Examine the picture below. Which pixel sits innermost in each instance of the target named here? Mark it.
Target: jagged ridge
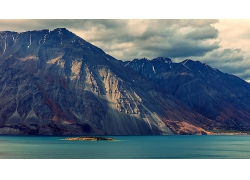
(54, 82)
(61, 84)
(218, 96)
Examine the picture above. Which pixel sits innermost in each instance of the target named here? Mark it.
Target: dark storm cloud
(153, 35)
(206, 32)
(230, 61)
(182, 49)
(240, 70)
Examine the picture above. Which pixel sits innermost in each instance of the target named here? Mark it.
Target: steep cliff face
(54, 82)
(218, 96)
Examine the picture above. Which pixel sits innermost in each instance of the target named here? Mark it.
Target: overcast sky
(136, 29)
(223, 44)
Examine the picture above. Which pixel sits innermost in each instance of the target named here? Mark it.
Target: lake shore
(229, 133)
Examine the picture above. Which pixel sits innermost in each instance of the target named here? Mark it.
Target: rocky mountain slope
(218, 96)
(54, 82)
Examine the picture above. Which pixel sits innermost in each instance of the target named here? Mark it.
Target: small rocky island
(89, 139)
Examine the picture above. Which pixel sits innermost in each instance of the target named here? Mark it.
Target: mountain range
(56, 83)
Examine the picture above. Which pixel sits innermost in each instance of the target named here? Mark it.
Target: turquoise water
(126, 147)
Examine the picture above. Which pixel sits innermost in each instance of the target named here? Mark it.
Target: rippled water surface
(126, 147)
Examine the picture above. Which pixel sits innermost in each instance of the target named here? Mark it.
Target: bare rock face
(222, 98)
(54, 82)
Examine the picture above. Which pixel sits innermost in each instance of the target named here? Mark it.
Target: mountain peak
(61, 30)
(144, 58)
(163, 59)
(55, 82)
(160, 59)
(188, 60)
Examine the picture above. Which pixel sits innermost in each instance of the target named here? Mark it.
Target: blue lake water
(126, 147)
